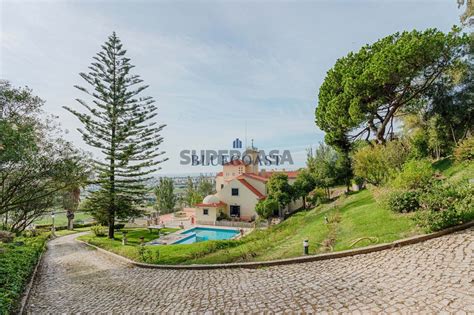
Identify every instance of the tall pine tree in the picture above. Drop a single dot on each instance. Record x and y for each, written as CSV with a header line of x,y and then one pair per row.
x,y
121,124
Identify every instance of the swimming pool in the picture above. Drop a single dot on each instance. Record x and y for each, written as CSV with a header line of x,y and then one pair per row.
x,y
201,234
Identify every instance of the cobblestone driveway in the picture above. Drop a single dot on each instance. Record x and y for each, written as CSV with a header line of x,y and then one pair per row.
x,y
437,275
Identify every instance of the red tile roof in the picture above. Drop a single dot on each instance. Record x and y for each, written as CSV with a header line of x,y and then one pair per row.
x,y
264,176
251,188
220,174
219,204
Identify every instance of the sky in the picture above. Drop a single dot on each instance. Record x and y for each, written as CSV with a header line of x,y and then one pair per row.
x,y
219,70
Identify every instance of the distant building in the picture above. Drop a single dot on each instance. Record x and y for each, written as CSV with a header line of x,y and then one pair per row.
x,y
239,187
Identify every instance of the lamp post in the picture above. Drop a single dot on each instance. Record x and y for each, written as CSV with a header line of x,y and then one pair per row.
x,y
53,229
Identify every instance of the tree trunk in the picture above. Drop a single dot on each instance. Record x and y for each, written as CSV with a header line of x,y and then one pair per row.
x,y
304,202
70,219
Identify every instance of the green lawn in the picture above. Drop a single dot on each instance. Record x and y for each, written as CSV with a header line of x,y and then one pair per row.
x,y
455,171
68,232
60,219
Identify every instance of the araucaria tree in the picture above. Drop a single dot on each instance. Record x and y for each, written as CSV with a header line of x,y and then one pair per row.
x,y
122,125
365,91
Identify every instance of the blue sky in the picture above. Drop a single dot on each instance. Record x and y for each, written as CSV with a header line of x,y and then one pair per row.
x,y
212,66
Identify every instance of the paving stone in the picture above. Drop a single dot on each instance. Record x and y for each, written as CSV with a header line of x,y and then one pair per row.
x,y
434,276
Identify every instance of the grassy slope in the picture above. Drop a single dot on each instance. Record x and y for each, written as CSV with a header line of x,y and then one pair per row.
x,y
360,217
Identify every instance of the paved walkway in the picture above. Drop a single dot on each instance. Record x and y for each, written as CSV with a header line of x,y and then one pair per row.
x,y
437,275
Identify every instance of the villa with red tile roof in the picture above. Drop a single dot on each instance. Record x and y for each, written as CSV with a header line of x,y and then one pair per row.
x,y
239,187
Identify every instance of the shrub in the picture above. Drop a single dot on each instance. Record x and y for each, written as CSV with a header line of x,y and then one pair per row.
x,y
6,237
119,226
446,205
464,151
415,174
375,163
31,233
99,230
222,216
265,208
16,265
317,197
404,201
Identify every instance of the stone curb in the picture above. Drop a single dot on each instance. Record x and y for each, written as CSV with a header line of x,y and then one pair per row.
x,y
27,290
295,260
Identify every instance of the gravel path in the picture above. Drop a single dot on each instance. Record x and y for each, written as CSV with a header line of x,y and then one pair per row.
x,y
434,276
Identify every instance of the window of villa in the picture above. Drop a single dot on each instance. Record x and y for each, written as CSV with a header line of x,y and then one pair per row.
x,y
240,170
222,186
235,191
205,211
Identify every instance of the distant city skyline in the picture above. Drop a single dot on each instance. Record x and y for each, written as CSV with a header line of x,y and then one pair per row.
x,y
218,70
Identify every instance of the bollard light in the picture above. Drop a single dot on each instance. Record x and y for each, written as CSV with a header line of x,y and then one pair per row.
x,y
53,229
124,237
306,247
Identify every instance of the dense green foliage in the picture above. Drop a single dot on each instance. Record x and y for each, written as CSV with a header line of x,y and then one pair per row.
x,y
304,184
99,230
191,194
280,190
17,261
266,208
377,163
465,150
35,165
165,197
404,201
415,174
364,91
446,205
120,125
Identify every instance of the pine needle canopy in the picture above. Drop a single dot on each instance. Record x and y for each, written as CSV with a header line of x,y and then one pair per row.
x,y
121,123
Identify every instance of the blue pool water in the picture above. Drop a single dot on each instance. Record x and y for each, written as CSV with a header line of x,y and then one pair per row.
x,y
200,234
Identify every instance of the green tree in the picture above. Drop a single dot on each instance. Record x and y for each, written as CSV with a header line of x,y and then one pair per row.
x,y
280,190
78,177
303,185
266,208
191,194
205,187
377,163
323,166
165,197
35,165
121,124
365,91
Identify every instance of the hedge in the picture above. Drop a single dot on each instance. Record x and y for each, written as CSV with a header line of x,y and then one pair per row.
x,y
17,262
